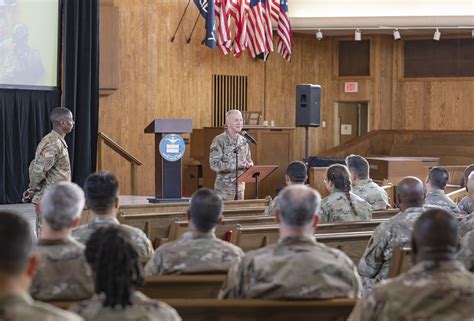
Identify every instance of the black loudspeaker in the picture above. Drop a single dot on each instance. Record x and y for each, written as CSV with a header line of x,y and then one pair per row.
x,y
308,103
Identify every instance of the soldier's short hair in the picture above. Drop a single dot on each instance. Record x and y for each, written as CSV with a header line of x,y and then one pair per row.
x,y
101,189
16,241
230,112
58,114
61,205
358,166
437,230
297,205
296,172
205,209
438,177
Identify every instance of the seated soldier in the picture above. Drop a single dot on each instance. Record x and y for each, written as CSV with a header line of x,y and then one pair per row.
x,y
466,205
341,204
198,251
435,183
437,287
63,273
102,200
17,267
363,186
466,251
374,264
297,267
296,173
118,273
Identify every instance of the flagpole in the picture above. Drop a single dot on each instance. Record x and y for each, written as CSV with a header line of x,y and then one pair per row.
x,y
180,21
188,40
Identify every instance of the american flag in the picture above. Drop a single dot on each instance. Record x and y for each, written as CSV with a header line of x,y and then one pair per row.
x,y
285,36
238,10
222,12
259,28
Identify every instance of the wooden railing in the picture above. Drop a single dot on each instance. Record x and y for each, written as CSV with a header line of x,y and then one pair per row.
x,y
102,140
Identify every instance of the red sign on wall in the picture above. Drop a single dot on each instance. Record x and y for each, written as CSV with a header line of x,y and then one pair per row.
x,y
351,87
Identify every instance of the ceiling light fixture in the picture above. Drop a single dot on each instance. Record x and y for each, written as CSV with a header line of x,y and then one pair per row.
x,y
396,34
319,34
437,35
357,35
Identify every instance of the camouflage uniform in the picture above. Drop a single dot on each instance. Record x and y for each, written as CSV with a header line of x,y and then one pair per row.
x,y
293,268
270,210
143,309
222,161
372,193
466,225
21,307
397,230
141,242
466,251
466,206
194,253
336,208
63,272
50,166
438,197
435,291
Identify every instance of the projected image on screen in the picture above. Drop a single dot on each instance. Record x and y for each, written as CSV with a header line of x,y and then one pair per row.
x,y
29,43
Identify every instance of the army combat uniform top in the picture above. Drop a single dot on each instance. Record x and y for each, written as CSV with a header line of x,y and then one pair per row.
x,y
194,253
293,268
466,206
142,309
63,272
397,230
466,251
21,307
336,208
372,193
466,225
222,161
140,241
270,209
434,291
438,197
50,166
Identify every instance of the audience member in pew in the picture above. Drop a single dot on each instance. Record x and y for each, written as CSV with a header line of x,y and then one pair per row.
x,y
297,267
222,157
437,287
466,205
435,183
341,204
363,186
198,251
375,263
467,171
296,173
466,251
118,273
62,273
102,199
17,267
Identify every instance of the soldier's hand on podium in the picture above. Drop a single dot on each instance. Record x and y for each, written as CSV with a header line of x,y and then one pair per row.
x,y
245,164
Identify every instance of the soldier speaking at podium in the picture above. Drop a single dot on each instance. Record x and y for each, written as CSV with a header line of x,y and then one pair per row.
x,y
222,157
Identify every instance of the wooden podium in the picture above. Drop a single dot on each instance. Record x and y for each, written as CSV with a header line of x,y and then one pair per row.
x,y
168,170
256,174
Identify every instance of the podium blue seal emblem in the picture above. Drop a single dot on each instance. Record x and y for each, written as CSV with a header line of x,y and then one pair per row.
x,y
172,147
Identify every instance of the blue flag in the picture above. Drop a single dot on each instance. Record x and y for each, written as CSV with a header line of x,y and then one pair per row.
x,y
206,8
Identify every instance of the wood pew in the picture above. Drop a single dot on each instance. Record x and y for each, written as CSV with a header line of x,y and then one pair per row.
x,y
352,243
256,309
183,286
457,195
178,228
384,214
157,225
401,261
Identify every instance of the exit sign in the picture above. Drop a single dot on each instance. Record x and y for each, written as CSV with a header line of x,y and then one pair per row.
x,y
351,87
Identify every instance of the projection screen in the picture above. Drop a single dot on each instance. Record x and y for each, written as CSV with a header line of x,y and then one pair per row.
x,y
29,43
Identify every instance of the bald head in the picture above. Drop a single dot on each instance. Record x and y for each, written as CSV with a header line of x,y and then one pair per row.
x,y
410,193
297,205
435,236
470,182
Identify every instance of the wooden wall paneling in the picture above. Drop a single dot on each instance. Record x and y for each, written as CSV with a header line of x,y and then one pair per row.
x,y
109,48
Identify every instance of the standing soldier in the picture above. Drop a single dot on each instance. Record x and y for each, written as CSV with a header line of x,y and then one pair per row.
x,y
222,157
51,164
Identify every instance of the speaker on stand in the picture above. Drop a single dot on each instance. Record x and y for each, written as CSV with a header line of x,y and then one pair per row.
x,y
308,104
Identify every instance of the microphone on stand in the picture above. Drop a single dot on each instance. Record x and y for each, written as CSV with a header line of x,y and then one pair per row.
x,y
249,138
